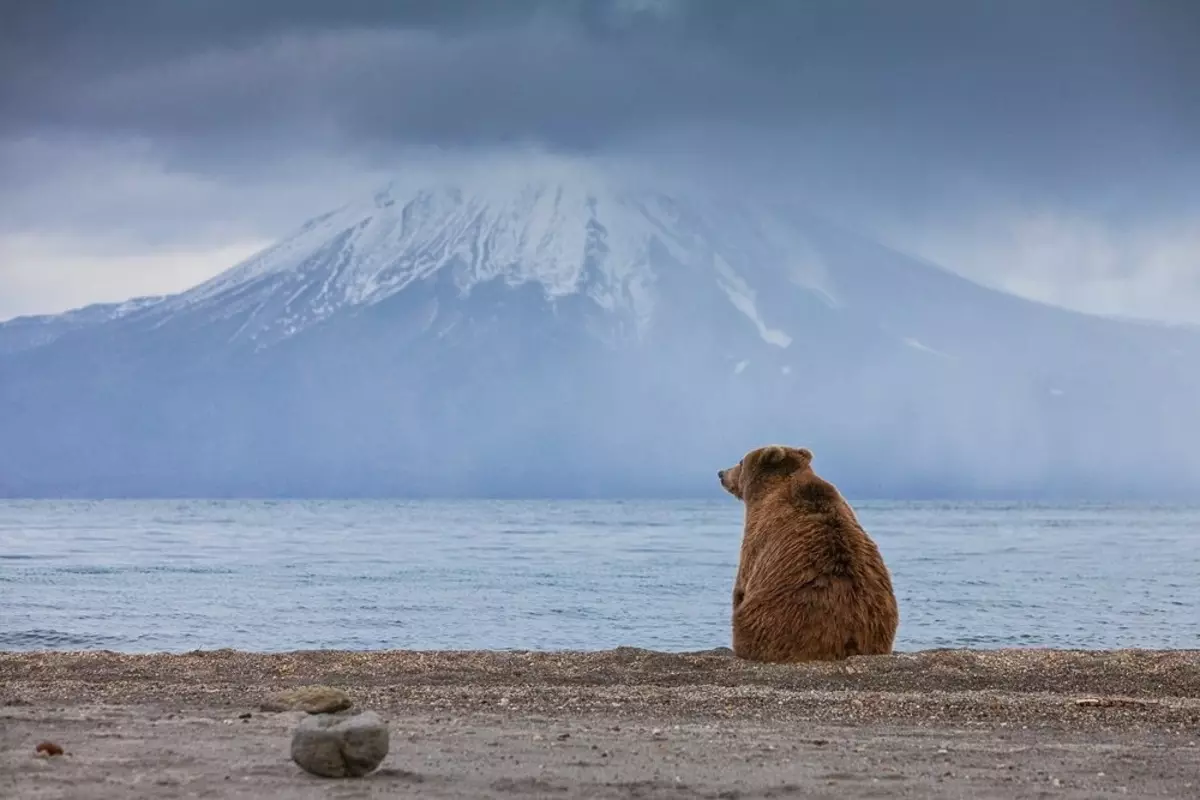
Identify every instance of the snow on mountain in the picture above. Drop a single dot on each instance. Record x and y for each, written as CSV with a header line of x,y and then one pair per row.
x,y
566,228
23,333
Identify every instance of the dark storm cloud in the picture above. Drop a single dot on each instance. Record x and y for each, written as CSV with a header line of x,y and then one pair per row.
x,y
452,73
1063,96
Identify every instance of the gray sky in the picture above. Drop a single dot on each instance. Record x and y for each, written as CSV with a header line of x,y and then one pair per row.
x,y
1049,148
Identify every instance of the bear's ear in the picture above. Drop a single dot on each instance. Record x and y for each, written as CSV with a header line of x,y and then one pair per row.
x,y
805,456
773,455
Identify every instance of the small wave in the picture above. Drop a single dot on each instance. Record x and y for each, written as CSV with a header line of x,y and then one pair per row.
x,y
153,569
39,639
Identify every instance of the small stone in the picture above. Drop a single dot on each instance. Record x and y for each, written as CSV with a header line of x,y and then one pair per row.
x,y
311,699
1113,702
48,749
340,745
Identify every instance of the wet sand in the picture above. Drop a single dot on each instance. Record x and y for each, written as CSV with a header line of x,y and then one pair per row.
x,y
625,723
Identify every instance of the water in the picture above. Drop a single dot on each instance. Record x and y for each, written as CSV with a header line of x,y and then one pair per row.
x,y
176,576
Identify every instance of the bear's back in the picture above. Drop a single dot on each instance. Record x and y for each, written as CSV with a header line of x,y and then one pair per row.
x,y
808,526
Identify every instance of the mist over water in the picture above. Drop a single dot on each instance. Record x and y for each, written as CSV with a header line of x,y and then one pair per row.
x,y
149,576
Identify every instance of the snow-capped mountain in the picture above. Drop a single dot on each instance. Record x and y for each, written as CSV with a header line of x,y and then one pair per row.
x,y
555,327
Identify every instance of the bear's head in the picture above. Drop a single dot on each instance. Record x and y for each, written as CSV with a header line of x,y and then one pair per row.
x,y
762,468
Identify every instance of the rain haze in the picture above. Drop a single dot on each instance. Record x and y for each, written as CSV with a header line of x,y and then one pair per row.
x,y
1049,151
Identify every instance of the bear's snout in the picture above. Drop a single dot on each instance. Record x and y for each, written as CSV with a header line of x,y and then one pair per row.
x,y
729,478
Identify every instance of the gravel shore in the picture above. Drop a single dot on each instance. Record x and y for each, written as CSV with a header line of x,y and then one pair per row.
x,y
621,723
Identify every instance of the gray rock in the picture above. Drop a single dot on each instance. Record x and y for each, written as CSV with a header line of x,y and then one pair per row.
x,y
311,699
720,652
340,745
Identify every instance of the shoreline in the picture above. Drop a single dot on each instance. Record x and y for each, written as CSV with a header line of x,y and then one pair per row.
x,y
930,723
1027,685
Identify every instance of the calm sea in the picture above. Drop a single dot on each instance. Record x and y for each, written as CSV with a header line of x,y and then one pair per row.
x,y
175,576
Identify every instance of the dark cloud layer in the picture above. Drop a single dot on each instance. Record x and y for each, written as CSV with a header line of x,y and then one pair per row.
x,y
1052,148
1071,96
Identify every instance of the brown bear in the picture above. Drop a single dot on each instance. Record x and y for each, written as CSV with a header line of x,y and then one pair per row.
x,y
811,584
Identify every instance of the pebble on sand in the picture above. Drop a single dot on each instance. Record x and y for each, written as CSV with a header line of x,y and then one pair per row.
x,y
340,745
48,748
312,699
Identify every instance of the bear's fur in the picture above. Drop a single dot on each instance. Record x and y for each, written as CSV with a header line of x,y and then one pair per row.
x,y
811,584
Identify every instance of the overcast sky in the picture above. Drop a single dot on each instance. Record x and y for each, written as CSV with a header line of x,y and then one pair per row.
x,y
1051,148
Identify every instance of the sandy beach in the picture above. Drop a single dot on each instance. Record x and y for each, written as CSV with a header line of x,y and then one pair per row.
x,y
625,723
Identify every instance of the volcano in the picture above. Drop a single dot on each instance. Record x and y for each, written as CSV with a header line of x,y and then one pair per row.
x,y
557,328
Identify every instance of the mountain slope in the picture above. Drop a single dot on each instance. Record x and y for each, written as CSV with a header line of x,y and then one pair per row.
x,y
565,330
26,333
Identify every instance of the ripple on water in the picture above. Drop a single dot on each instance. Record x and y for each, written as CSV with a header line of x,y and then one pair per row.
x,y
44,639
